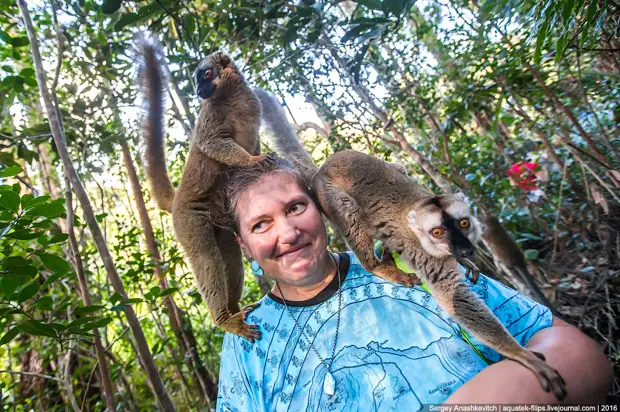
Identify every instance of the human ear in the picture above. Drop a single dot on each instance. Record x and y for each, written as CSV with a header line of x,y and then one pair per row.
x,y
242,244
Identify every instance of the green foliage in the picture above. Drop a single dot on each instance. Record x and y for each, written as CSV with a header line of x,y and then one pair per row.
x,y
452,72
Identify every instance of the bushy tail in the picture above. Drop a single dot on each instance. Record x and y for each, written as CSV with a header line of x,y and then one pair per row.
x,y
282,134
152,77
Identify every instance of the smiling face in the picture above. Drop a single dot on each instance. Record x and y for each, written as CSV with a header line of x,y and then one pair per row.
x,y
281,228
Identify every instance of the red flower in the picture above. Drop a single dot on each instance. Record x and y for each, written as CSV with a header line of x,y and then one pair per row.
x,y
524,174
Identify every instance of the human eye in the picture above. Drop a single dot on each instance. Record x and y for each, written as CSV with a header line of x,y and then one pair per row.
x,y
259,227
297,208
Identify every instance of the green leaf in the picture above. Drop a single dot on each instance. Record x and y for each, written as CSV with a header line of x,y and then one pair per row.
x,y
29,201
115,298
28,292
27,72
37,328
13,261
591,11
292,30
149,10
567,11
118,308
470,176
155,291
79,322
126,20
394,6
52,279
59,238
45,302
110,6
530,236
20,41
133,300
168,291
8,311
98,324
10,282
355,32
9,200
9,336
531,254
190,24
560,46
100,217
58,327
24,234
85,310
371,4
11,171
540,41
5,37
26,270
54,263
49,210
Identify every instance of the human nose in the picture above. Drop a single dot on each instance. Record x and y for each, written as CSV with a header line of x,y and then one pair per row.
x,y
287,231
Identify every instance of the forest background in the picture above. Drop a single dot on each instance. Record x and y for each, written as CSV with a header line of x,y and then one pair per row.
x,y
98,308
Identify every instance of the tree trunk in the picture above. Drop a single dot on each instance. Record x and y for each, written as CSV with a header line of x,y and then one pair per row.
x,y
155,381
108,388
177,320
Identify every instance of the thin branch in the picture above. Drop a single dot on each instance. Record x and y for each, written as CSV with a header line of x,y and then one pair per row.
x,y
38,375
557,218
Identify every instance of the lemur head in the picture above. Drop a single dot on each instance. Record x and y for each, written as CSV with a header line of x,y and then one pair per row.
x,y
214,73
444,225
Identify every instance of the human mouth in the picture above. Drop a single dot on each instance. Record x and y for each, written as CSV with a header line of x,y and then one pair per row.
x,y
294,251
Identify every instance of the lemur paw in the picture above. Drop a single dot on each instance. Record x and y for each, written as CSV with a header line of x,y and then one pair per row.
x,y
550,379
393,274
236,324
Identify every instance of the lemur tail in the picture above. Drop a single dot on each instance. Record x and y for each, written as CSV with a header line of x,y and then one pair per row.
x,y
152,78
282,134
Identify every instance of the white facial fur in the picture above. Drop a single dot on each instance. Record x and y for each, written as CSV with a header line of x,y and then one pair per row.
x,y
460,209
423,220
421,224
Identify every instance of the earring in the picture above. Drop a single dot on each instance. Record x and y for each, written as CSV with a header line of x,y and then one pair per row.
x,y
256,269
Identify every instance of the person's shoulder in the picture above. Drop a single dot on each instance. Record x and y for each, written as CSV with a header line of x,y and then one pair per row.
x,y
265,316
355,266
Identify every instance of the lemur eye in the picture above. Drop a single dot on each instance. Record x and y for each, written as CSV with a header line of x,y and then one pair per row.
x,y
208,74
437,232
464,223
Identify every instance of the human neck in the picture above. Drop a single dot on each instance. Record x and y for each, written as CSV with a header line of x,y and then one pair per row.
x,y
305,292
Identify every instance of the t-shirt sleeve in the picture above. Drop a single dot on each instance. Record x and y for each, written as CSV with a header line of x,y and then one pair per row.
x,y
521,316
235,394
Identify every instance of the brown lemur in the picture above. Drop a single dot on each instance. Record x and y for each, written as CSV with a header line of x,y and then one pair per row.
x,y
226,135
368,198
283,136
509,258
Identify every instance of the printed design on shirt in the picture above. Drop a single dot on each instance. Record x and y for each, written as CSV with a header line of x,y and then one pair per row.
x,y
451,356
404,352
381,373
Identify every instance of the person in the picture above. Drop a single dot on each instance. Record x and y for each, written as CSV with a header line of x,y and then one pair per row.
x,y
336,337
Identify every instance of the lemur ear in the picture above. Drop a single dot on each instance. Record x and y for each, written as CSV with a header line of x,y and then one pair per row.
x,y
462,197
411,219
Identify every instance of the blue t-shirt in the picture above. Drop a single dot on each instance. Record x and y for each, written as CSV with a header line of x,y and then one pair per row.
x,y
397,349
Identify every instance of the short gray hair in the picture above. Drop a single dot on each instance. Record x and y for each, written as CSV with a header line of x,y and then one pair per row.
x,y
242,178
